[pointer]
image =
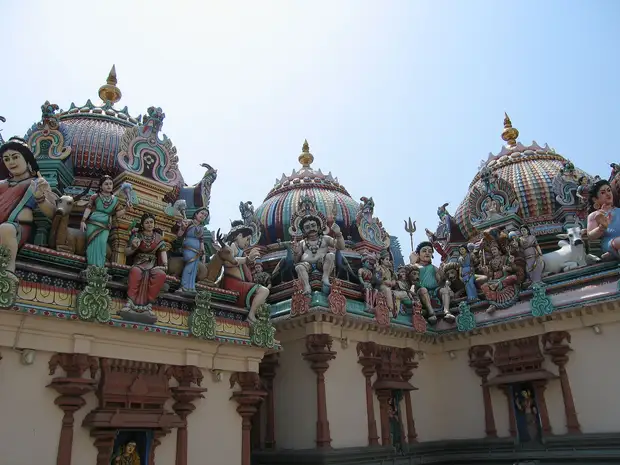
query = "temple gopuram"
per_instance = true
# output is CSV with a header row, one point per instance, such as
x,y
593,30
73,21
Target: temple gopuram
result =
x,y
133,331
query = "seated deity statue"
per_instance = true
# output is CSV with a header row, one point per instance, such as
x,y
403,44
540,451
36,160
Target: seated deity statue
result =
x,y
431,284
604,219
147,275
238,277
312,252
405,294
22,190
502,287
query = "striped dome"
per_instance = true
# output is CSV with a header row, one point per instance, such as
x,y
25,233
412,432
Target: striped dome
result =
x,y
276,211
530,171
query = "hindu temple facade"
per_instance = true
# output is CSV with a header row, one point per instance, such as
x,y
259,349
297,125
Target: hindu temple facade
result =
x,y
134,332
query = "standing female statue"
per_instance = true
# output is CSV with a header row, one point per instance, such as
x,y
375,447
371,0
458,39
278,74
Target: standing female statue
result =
x,y
148,273
22,189
97,221
533,255
192,232
604,219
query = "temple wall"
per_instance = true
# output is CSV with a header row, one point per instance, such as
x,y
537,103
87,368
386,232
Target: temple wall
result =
x,y
32,434
295,391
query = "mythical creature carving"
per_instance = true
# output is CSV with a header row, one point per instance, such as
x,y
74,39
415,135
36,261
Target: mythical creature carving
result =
x,y
142,152
494,199
566,184
370,228
44,137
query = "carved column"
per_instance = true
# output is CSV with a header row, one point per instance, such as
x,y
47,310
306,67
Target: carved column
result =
x,y
555,344
384,396
480,360
184,395
104,442
541,403
319,353
71,389
366,352
248,397
409,365
512,421
267,371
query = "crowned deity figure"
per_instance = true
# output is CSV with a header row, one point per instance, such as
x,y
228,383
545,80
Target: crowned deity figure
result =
x,y
22,190
147,275
97,220
126,455
431,284
367,277
312,251
387,280
604,219
238,277
192,232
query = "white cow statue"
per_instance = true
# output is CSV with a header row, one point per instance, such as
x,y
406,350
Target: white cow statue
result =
x,y
571,255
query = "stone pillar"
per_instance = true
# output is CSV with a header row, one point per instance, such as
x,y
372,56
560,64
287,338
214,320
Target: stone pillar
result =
x,y
555,344
184,395
366,352
512,421
319,353
248,397
104,442
267,371
71,389
384,396
409,365
541,403
480,360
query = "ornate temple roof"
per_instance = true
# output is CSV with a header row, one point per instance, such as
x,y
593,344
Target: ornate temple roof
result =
x,y
279,205
530,175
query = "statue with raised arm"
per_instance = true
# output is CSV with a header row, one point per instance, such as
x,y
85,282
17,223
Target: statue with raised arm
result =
x,y
431,286
312,253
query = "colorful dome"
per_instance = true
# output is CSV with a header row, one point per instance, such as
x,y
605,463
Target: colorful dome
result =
x,y
276,211
531,173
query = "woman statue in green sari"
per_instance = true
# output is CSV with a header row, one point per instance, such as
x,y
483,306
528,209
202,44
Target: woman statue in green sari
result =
x,y
97,221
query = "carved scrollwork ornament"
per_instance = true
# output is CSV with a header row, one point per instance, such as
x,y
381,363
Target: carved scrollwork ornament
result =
x,y
94,302
202,322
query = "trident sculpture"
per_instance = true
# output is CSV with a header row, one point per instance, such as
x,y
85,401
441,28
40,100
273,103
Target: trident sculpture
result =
x,y
410,228
3,119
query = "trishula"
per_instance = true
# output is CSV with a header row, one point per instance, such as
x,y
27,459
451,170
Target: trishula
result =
x,y
3,119
410,228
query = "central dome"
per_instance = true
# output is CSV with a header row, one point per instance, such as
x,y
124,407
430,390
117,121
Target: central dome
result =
x,y
328,194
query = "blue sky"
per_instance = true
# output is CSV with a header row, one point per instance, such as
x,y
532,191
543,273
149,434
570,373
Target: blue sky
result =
x,y
399,99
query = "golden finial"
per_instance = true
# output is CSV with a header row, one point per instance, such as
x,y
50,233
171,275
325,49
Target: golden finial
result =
x,y
509,134
109,92
306,158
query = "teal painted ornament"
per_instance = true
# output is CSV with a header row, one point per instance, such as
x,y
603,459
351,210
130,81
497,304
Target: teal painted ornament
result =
x,y
8,281
262,333
94,302
541,303
202,322
465,321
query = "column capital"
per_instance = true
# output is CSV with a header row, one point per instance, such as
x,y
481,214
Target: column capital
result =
x,y
250,395
481,359
556,344
319,352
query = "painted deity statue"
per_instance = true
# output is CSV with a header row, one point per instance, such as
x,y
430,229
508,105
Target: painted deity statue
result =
x,y
533,255
466,272
192,232
404,291
431,284
126,455
366,275
501,289
604,219
453,280
312,252
387,280
147,275
22,190
239,277
261,277
97,221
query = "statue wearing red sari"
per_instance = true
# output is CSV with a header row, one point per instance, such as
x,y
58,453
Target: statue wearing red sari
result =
x,y
147,276
22,190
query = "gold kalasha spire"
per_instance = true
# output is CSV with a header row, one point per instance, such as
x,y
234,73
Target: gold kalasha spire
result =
x,y
109,92
306,158
509,134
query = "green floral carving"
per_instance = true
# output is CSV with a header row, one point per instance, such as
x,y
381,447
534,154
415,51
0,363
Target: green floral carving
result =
x,y
465,321
94,302
8,281
262,333
202,319
541,304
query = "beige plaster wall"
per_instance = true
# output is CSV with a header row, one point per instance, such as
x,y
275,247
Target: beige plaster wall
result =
x,y
295,394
